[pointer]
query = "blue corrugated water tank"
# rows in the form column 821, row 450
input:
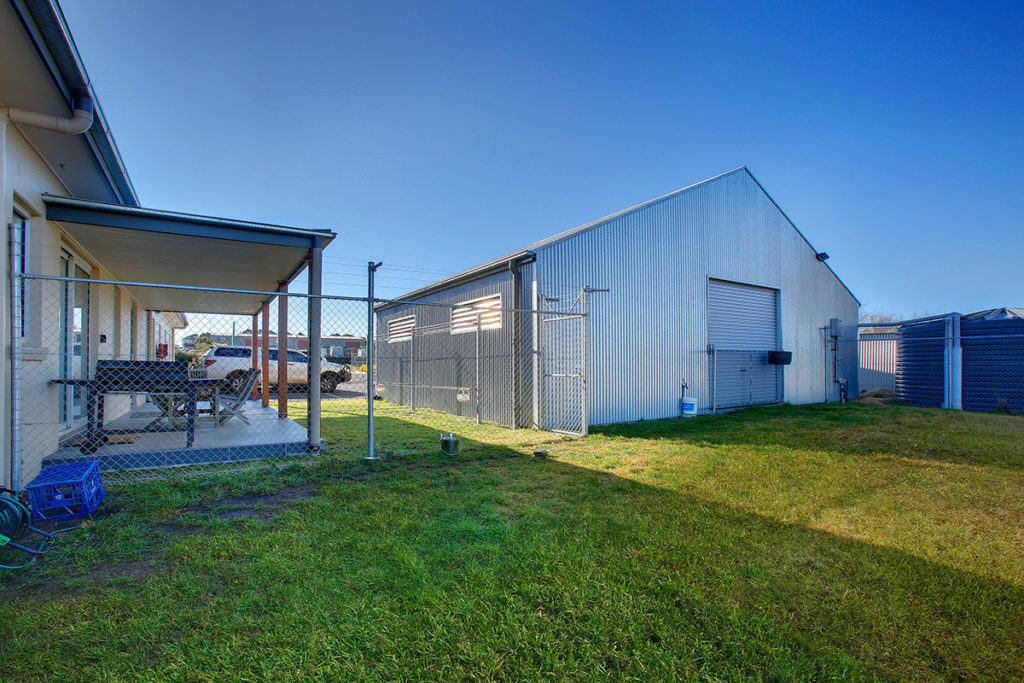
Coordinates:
column 920, row 363
column 993, row 362
column 993, row 352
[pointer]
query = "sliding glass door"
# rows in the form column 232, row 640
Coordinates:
column 75, row 338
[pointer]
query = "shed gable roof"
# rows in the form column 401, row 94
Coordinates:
column 594, row 225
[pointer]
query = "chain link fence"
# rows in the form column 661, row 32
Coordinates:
column 951, row 362
column 480, row 368
column 152, row 380
column 743, row 377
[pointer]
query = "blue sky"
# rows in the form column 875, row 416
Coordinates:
column 439, row 135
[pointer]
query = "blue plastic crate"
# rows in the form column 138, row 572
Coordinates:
column 66, row 491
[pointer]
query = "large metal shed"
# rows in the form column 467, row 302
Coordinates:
column 702, row 285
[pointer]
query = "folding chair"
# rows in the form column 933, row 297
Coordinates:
column 231, row 406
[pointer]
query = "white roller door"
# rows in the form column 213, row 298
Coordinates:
column 742, row 328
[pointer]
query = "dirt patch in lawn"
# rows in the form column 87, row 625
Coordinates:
column 256, row 507
column 878, row 397
column 76, row 584
column 123, row 571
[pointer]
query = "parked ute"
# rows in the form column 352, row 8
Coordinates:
column 230, row 363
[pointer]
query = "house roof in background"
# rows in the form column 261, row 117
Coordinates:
column 998, row 314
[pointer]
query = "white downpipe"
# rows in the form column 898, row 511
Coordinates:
column 17, row 282
column 953, row 355
column 79, row 122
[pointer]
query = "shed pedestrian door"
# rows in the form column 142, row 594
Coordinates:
column 743, row 327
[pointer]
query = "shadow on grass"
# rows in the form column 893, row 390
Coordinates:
column 856, row 429
column 496, row 565
column 346, row 435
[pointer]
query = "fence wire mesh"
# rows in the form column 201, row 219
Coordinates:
column 977, row 370
column 743, row 377
column 153, row 381
column 478, row 370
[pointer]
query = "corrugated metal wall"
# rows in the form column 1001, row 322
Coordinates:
column 877, row 352
column 444, row 359
column 649, row 333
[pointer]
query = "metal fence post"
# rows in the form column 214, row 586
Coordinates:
column 371, row 359
column 412, row 368
column 476, row 381
column 584, row 405
column 714, row 380
column 537, row 356
column 17, row 283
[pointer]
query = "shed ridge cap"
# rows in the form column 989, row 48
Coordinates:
column 592, row 225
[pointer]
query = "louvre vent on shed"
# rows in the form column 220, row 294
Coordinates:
column 401, row 329
column 485, row 309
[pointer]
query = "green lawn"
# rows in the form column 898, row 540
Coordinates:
column 796, row 542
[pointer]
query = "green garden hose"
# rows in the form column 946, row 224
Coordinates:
column 15, row 523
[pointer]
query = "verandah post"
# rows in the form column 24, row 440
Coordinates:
column 282, row 350
column 265, row 356
column 314, row 311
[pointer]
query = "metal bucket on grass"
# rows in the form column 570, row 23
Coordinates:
column 450, row 445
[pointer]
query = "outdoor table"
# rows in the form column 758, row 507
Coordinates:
column 164, row 381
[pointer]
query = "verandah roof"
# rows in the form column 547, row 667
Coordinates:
column 146, row 245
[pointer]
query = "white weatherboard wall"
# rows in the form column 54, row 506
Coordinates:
column 649, row 332
column 24, row 176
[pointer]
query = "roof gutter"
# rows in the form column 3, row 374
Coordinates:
column 508, row 263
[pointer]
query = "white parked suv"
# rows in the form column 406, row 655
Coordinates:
column 230, row 363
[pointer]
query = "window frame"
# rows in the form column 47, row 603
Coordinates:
column 72, row 261
column 23, row 219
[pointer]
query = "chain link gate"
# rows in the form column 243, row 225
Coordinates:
column 562, row 400
column 476, row 368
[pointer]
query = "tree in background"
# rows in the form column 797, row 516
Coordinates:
column 868, row 316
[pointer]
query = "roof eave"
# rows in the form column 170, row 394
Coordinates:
column 520, row 257
column 45, row 24
column 70, row 209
